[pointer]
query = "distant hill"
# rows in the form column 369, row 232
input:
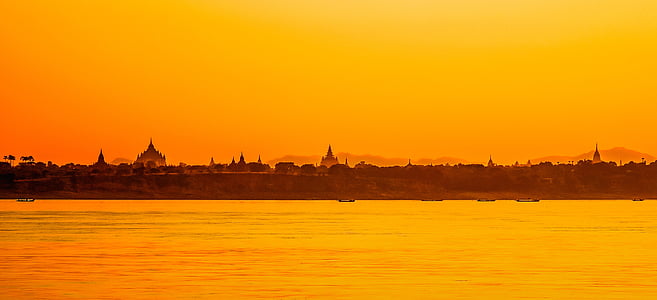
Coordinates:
column 616, row 154
column 120, row 160
column 368, row 158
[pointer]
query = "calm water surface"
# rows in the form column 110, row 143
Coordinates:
column 53, row 249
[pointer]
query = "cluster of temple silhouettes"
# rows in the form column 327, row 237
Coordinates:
column 150, row 170
column 153, row 161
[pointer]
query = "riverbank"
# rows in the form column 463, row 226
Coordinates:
column 289, row 187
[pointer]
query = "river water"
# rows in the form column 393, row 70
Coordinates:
column 145, row 249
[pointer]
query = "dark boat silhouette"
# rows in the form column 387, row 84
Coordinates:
column 25, row 200
column 346, row 200
column 485, row 200
column 430, row 200
column 637, row 199
column 527, row 200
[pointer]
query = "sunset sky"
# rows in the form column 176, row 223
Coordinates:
column 414, row 78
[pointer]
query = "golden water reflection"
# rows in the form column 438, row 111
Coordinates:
column 324, row 249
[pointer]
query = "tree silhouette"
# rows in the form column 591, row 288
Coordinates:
column 27, row 159
column 10, row 158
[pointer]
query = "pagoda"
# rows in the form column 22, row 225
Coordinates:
column 151, row 157
column 329, row 160
column 596, row 155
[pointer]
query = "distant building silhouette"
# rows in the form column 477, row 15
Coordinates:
column 101, row 160
column 528, row 164
column 212, row 163
column 490, row 161
column 285, row 167
column 151, row 157
column 240, row 166
column 329, row 160
column 596, row 155
column 242, row 162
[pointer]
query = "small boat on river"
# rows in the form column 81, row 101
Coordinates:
column 527, row 200
column 25, row 200
column 346, row 200
column 485, row 200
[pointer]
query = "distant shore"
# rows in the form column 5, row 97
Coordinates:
column 464, row 182
column 104, row 195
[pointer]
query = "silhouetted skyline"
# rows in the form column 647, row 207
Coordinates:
column 154, row 158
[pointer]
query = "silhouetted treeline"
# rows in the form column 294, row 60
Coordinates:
column 290, row 181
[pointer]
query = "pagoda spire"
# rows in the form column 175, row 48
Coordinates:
column 259, row 161
column 101, row 157
column 596, row 155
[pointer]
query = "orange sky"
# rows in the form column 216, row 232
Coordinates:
column 414, row 78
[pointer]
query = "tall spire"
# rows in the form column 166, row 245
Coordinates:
column 346, row 161
column 259, row 161
column 490, row 161
column 596, row 155
column 329, row 153
column 101, row 157
column 241, row 157
column 150, row 144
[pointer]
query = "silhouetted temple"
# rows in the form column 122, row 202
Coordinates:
column 242, row 162
column 329, row 160
column 596, row 155
column 490, row 161
column 239, row 166
column 101, row 160
column 151, row 157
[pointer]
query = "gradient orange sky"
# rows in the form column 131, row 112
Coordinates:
column 414, row 78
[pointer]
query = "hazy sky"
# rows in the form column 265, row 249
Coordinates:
column 415, row 78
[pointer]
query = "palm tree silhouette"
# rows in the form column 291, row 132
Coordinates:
column 11, row 159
